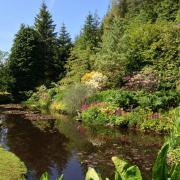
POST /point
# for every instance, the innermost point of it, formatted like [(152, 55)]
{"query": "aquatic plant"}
[(161, 171), (124, 171), (45, 176)]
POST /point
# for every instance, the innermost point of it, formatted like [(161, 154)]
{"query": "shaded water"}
[(63, 146)]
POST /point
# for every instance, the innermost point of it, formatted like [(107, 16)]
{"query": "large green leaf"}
[(60, 178), (160, 169), (45, 176), (92, 175), (117, 176), (119, 164), (125, 171), (132, 173)]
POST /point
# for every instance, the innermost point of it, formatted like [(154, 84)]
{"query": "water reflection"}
[(65, 146), (96, 145), (42, 148)]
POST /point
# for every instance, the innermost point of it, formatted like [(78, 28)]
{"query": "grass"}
[(11, 167)]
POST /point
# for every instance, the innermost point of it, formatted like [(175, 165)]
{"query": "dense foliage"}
[(24, 60), (122, 71), (38, 56), (134, 46)]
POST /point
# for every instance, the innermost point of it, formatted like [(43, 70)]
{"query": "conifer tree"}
[(91, 32), (85, 46), (24, 61), (45, 27), (64, 46)]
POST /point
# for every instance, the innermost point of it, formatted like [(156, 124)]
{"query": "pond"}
[(63, 146)]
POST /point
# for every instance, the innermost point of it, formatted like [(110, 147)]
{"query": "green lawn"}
[(11, 167)]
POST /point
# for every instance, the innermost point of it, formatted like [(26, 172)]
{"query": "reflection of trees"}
[(75, 133), (38, 148), (138, 148), (96, 145), (42, 144)]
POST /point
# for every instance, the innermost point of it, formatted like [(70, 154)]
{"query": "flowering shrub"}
[(95, 80), (100, 105), (147, 79), (57, 106)]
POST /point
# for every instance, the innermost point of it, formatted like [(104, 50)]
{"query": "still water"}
[(63, 146)]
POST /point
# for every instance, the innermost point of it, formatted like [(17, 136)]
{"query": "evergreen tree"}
[(91, 32), (25, 62), (45, 27), (77, 64), (109, 59), (167, 10), (64, 46), (85, 47)]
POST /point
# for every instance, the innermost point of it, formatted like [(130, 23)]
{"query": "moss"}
[(11, 167)]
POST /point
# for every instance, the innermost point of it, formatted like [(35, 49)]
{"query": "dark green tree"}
[(91, 32), (46, 29), (5, 78), (25, 61), (167, 10), (64, 46)]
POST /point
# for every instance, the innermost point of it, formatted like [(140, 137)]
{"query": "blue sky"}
[(71, 12)]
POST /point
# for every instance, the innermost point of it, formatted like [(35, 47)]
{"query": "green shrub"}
[(95, 116), (121, 121), (124, 99), (159, 100), (128, 100), (137, 117)]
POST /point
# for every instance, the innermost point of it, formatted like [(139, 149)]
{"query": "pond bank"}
[(11, 167), (140, 110)]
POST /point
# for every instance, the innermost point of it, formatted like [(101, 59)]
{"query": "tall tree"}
[(91, 32), (85, 46), (167, 9), (45, 27), (64, 46), (25, 61)]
